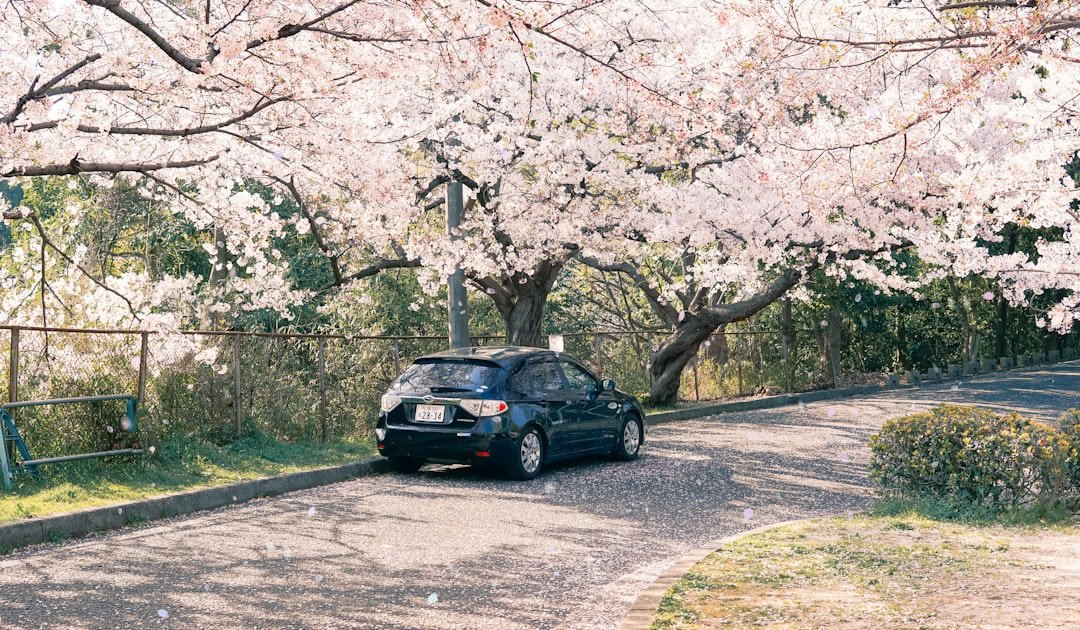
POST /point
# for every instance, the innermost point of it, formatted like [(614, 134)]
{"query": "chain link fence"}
[(216, 385)]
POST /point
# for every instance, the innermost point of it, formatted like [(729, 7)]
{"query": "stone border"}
[(33, 531), (643, 611)]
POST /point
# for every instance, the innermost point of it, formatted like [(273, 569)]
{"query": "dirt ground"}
[(885, 572)]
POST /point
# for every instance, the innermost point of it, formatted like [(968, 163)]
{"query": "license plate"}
[(429, 413)]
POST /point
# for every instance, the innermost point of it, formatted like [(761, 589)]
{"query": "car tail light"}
[(484, 408), (388, 402)]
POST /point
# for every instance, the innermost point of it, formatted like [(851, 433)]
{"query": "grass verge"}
[(889, 568), (177, 467)]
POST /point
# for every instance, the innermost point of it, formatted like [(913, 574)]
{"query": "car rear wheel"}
[(629, 442), (529, 456), (405, 464)]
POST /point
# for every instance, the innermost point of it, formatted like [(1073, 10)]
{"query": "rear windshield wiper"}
[(443, 390)]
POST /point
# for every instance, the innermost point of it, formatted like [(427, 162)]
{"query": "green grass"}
[(178, 466), (1060, 515)]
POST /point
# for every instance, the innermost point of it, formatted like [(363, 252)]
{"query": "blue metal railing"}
[(28, 465)]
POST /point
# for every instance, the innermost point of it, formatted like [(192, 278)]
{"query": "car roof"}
[(505, 356)]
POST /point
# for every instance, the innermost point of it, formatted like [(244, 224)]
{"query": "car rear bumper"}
[(448, 446)]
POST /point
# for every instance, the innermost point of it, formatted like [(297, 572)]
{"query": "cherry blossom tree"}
[(768, 137)]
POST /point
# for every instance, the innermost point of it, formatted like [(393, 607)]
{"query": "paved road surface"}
[(455, 548)]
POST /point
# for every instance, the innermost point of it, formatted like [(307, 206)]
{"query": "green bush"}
[(1069, 425), (973, 456)]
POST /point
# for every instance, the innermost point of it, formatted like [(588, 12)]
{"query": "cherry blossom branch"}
[(76, 166), (316, 232), (35, 92), (165, 132), (14, 214), (538, 28), (190, 64)]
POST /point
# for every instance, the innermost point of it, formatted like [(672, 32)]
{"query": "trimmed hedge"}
[(978, 457)]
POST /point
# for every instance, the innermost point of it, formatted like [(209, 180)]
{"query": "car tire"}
[(628, 440), (528, 456), (405, 464)]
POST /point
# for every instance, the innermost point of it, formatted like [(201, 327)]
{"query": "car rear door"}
[(540, 383), (597, 413)]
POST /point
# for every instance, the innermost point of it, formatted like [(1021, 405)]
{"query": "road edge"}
[(643, 611), (17, 534)]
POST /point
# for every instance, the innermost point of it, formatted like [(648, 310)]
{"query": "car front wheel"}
[(529, 456), (629, 443)]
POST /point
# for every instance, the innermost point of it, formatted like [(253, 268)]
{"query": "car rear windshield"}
[(442, 375)]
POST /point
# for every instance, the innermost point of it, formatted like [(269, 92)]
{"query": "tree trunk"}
[(788, 339), (1001, 323), (524, 319), (673, 355), (834, 345), (681, 346), (963, 309)]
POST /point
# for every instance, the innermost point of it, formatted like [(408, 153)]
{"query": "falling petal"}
[(311, 511), (109, 429), (152, 449), (682, 315), (747, 514), (988, 296), (831, 411), (433, 598), (858, 297), (164, 614), (844, 457), (824, 323), (119, 510), (955, 388), (935, 305)]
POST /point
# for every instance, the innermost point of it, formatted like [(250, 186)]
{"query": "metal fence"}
[(212, 385)]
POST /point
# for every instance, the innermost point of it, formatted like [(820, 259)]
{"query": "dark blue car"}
[(519, 408)]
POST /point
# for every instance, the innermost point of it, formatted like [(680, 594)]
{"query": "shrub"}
[(972, 456), (1069, 425)]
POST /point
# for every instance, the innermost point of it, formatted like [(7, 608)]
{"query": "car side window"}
[(577, 377), (537, 378)]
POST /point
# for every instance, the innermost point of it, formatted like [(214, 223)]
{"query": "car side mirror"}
[(607, 385)]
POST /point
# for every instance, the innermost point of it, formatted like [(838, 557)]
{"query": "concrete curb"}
[(641, 614), (82, 522), (783, 400), (765, 402)]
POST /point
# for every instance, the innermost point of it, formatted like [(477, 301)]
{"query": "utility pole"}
[(457, 304)]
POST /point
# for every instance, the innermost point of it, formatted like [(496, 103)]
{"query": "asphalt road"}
[(456, 548)]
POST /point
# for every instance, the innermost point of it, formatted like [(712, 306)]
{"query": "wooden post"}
[(322, 388), (397, 357), (13, 369), (697, 391), (236, 383), (13, 394), (599, 356), (140, 387)]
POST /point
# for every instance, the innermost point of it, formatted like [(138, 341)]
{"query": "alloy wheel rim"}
[(631, 438), (530, 452)]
